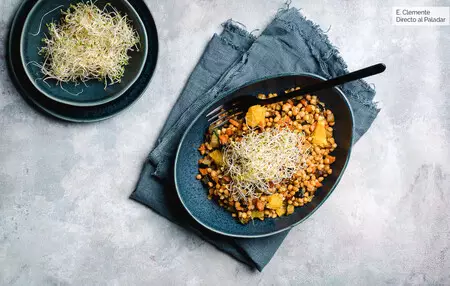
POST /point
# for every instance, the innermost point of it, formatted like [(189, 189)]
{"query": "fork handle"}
[(359, 74)]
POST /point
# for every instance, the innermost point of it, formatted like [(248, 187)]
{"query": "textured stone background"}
[(65, 216)]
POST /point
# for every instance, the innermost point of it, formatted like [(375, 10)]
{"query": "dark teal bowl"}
[(95, 92), (193, 194)]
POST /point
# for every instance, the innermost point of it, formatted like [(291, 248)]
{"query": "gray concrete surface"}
[(65, 216)]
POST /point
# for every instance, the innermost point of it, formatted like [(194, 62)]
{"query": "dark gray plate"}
[(94, 92), (193, 194), (79, 113)]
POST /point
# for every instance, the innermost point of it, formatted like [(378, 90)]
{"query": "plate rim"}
[(74, 103), (60, 115), (347, 159)]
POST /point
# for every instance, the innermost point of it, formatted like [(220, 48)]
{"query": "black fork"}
[(239, 105)]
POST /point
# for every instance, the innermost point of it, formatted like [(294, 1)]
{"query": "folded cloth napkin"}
[(289, 44)]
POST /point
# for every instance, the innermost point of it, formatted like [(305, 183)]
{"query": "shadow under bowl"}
[(193, 194)]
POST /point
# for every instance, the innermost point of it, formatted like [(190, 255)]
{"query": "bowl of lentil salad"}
[(204, 184)]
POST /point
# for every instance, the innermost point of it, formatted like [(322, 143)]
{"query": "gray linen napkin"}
[(289, 44)]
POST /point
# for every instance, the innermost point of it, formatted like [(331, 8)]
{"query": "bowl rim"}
[(55, 114), (201, 113), (97, 102)]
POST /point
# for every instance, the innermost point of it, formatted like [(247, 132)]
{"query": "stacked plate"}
[(87, 102)]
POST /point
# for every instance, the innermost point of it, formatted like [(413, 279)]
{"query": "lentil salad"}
[(305, 117)]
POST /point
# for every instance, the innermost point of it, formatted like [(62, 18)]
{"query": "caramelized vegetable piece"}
[(274, 202), (280, 211), (260, 205), (217, 157), (320, 134), (256, 115), (331, 159), (290, 209), (205, 162), (244, 220), (330, 117), (214, 141), (203, 171), (202, 148), (223, 139), (258, 214)]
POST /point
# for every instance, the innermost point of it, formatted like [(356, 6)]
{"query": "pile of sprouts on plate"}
[(88, 43)]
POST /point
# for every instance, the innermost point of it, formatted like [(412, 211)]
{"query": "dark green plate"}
[(79, 113), (193, 194)]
